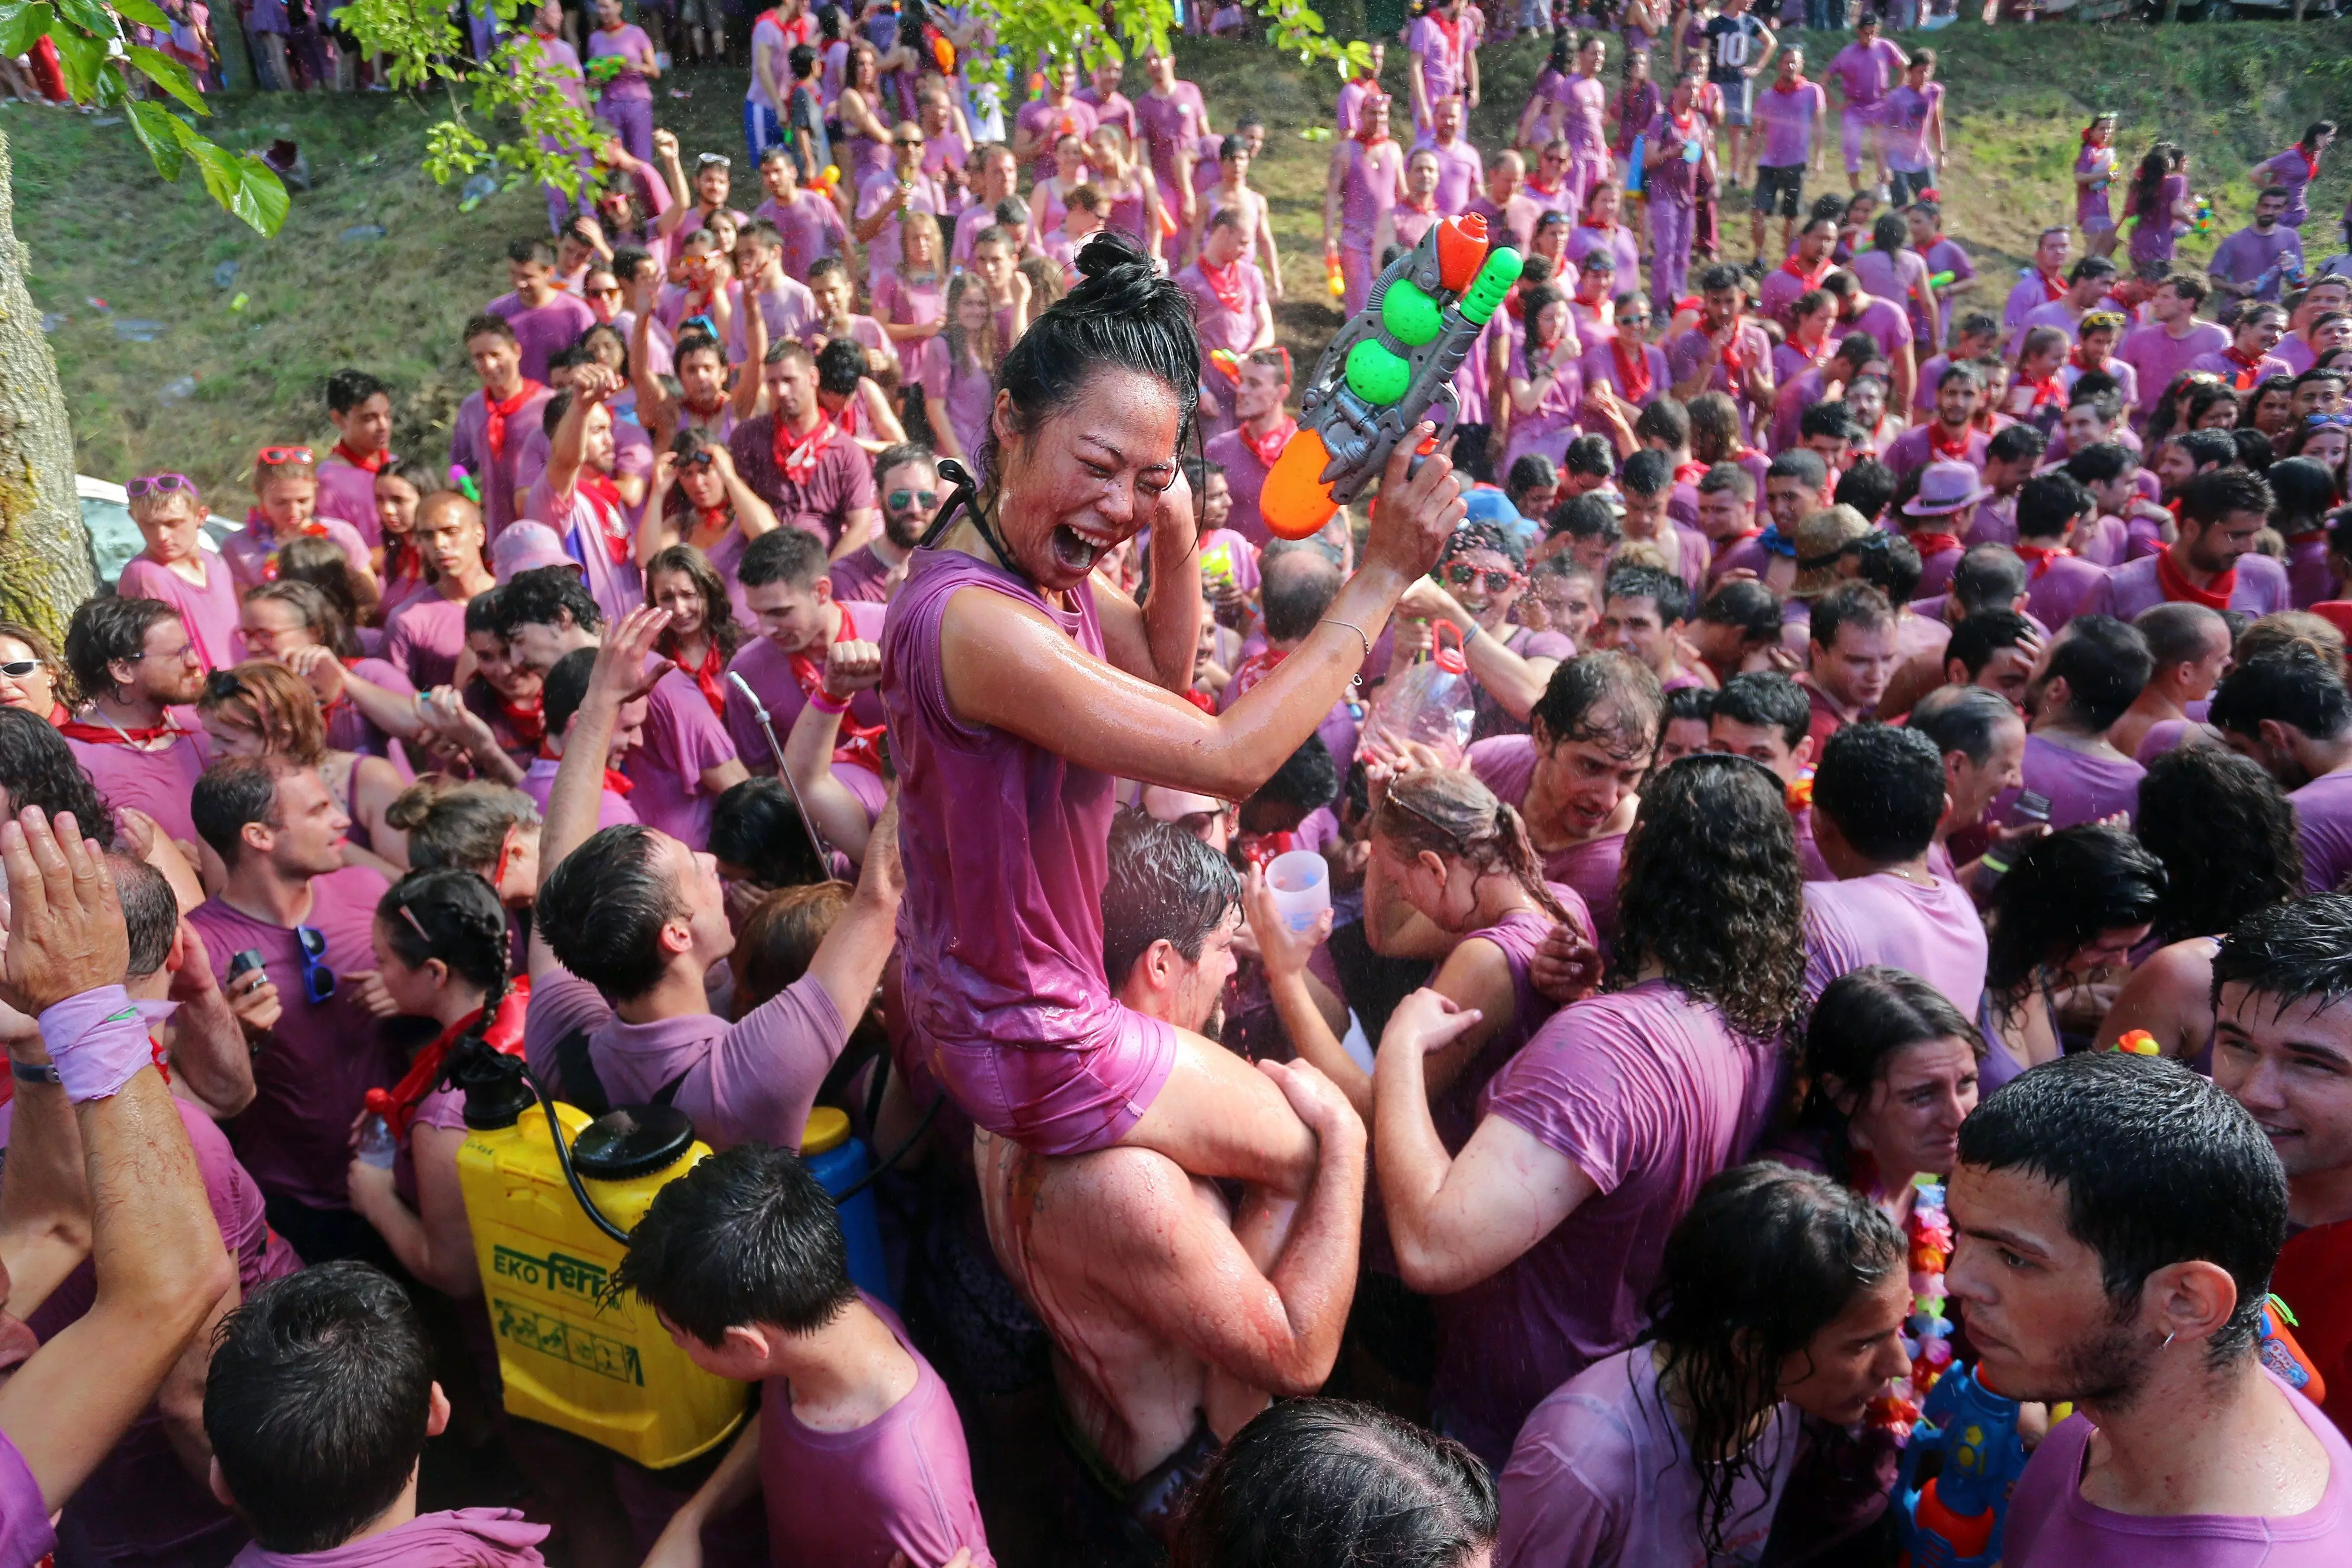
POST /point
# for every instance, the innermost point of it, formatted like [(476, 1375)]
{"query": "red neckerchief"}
[(2052, 289), (1633, 376), (527, 720), (860, 743), (1937, 446), (2310, 163), (2252, 371), (1795, 268), (1366, 136), (1259, 849), (2307, 537), (604, 500), (797, 457), (1933, 544), (1594, 224), (2179, 589), (496, 413), (398, 1105), (1539, 187), (1451, 27), (615, 783), (709, 519), (1254, 668), (705, 674), (2075, 358), (1268, 447), (2039, 557), (373, 463), (402, 559), (1690, 473), (109, 735), (1227, 284), (1791, 84), (2045, 391)]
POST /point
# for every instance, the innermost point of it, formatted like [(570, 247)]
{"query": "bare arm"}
[(1456, 1221), (433, 1241), (848, 962), (1155, 641), (579, 788), (850, 667), (735, 1483)]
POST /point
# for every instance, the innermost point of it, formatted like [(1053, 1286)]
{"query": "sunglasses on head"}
[(160, 484), (901, 500), (2322, 421), (318, 980), (707, 160), (700, 457), (1461, 574), (276, 456)]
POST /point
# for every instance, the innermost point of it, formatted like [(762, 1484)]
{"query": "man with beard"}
[(1175, 1319), (2117, 1221), (2252, 264), (2283, 1048), (135, 662), (2214, 562), (2288, 711), (906, 485)]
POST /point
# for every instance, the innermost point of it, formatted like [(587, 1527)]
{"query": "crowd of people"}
[(1867, 922)]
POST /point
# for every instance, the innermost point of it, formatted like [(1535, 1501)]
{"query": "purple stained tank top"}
[(1004, 844), (1367, 191)]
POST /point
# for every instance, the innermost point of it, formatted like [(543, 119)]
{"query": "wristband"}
[(98, 1042), (34, 1071), (822, 701)]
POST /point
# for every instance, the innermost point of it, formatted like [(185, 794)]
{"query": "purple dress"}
[(1004, 845)]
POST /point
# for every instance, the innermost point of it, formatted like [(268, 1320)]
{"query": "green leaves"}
[(159, 131), (239, 182), (22, 25), (168, 74)]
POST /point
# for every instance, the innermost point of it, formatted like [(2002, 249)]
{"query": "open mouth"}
[(1075, 551)]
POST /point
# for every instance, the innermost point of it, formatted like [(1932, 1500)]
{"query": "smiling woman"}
[(1018, 688)]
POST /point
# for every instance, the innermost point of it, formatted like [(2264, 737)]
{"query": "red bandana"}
[(1690, 473), (1268, 447), (1228, 285), (2310, 163), (1790, 85), (705, 674), (1795, 268), (2052, 289), (604, 500), (373, 463), (2076, 358), (1957, 450), (796, 457), (497, 411), (712, 522), (2039, 557), (2179, 589), (2047, 391), (1933, 544), (619, 783), (860, 743), (108, 734), (398, 1105), (2251, 372), (526, 719), (1633, 376)]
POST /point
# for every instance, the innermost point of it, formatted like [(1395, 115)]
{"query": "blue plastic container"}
[(840, 1162)]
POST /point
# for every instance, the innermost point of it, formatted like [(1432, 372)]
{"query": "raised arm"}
[(839, 815), (848, 962), (568, 449), (619, 677)]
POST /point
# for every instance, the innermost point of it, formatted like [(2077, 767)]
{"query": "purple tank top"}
[(1368, 189), (1004, 844)]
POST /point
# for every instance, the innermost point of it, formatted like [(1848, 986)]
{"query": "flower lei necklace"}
[(1927, 1332)]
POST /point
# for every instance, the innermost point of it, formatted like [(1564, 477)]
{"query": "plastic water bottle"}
[(377, 1146), (1433, 704)]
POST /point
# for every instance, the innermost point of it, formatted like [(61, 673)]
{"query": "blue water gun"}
[(1954, 1518)]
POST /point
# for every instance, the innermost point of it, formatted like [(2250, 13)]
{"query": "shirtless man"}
[(1175, 1320)]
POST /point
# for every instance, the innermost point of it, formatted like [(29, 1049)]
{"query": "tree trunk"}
[(45, 561)]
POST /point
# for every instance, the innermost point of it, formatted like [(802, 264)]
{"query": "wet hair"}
[(1307, 779), (602, 908), (2063, 890), (1800, 464), (331, 608), (1863, 1017), (1322, 1483), (1666, 419), (565, 688), (1887, 562), (2290, 952), (1529, 471), (2209, 499), (1765, 1259), (1832, 418), (274, 704), (793, 557), (2293, 686), (317, 1397), (230, 796), (543, 596), (1297, 583), (745, 1236), (1869, 487), (719, 623), (2158, 1167), (2177, 633), (1467, 536), (1585, 517), (1450, 813), (464, 825), (1752, 607), (1848, 604), (1990, 577), (150, 913), (2301, 491), (840, 366), (781, 938), (1883, 787), (37, 769), (107, 629), (2105, 664), (1712, 894), (2226, 834), (456, 916), (1161, 884), (487, 326), (1665, 591), (1963, 719), (1714, 427), (755, 825), (1692, 704), (1765, 699), (1588, 455), (1979, 636), (2048, 503), (1608, 698), (1122, 315)]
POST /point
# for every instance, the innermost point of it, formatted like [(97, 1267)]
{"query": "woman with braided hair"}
[(1453, 876), (441, 952)]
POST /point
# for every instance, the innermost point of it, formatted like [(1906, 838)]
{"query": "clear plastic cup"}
[(1300, 884)]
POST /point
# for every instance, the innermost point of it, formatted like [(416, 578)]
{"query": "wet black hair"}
[(456, 916), (37, 769), (2063, 890), (1767, 699), (1161, 883), (1863, 1017), (746, 1237), (1883, 787), (2226, 834)]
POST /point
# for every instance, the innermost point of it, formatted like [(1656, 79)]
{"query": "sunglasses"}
[(608, 288), (917, 142), (2322, 421), (1463, 576), (900, 500), (19, 669), (160, 484), (275, 456), (702, 457), (318, 980), (709, 159)]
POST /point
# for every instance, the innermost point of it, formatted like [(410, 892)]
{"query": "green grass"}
[(99, 222)]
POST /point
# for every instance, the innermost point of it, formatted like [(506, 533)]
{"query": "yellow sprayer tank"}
[(603, 1369)]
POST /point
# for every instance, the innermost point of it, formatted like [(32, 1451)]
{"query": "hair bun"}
[(1117, 278)]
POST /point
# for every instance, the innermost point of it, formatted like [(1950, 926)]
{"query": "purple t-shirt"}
[(2260, 589), (2050, 1526), (1601, 1473), (1650, 1094), (469, 448), (1932, 932), (2159, 356), (613, 811), (2250, 253), (1507, 765), (318, 1062), (768, 670), (901, 1483), (423, 639), (2290, 173), (348, 493), (248, 550), (1908, 116), (967, 387), (210, 612), (581, 521), (1049, 122), (1787, 118), (543, 330), (842, 481), (752, 1080), (1459, 171), (682, 737), (25, 1534), (1866, 72), (2323, 815), (458, 1538), (812, 228), (2082, 788), (628, 43), (2158, 231), (160, 783)]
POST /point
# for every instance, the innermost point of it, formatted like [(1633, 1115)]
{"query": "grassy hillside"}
[(216, 381)]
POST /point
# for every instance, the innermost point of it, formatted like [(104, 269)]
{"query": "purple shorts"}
[(1069, 1100)]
